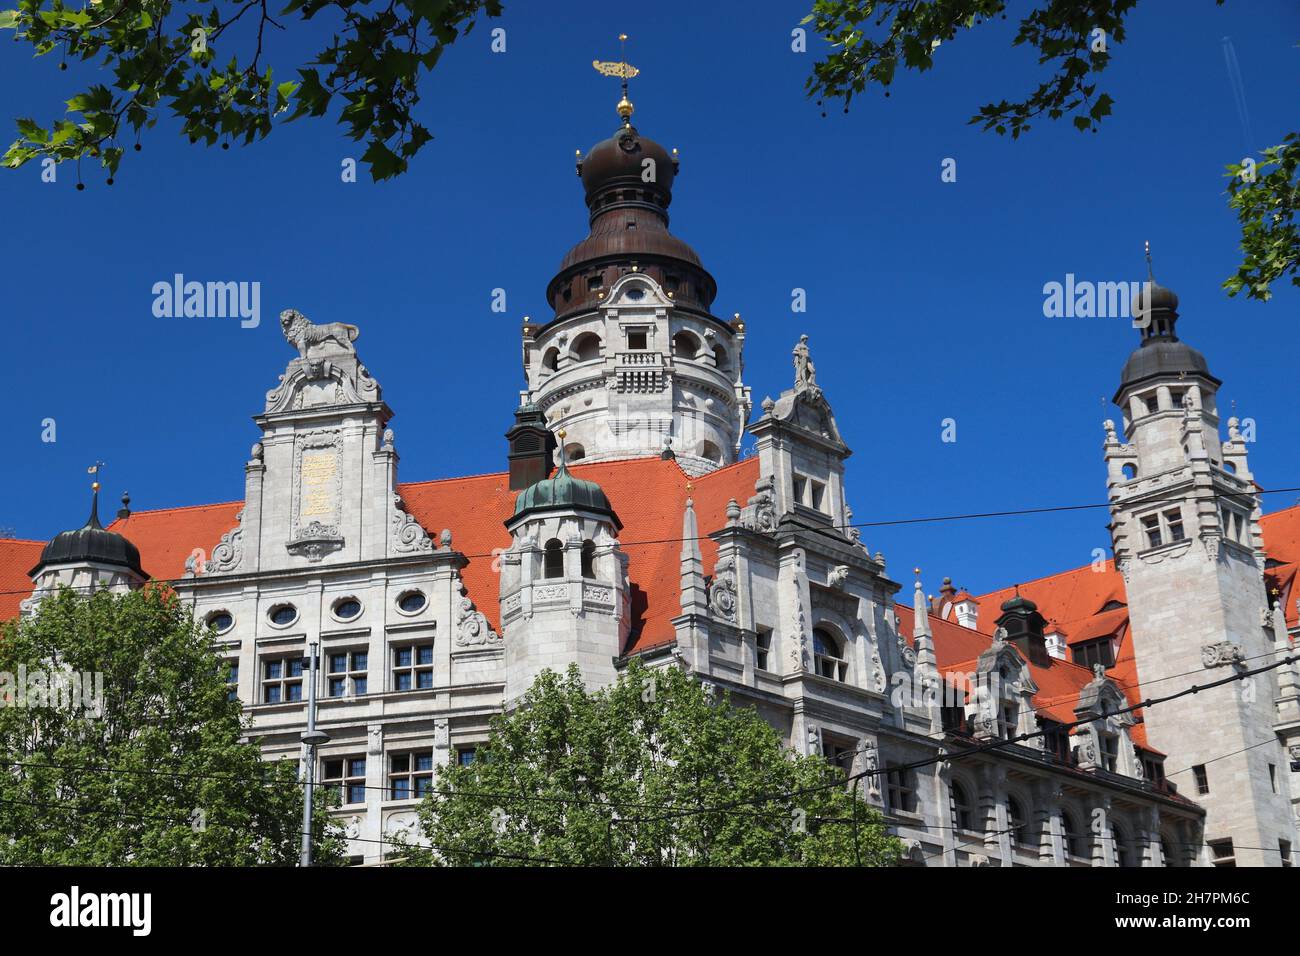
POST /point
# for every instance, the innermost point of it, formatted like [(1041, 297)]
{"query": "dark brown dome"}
[(628, 182), (621, 161)]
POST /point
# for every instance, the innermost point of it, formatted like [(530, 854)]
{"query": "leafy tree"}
[(167, 52), (871, 39), (151, 772), (646, 772)]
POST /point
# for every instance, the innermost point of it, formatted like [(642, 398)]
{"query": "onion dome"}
[(628, 180), (563, 492), (90, 544), (1161, 354)]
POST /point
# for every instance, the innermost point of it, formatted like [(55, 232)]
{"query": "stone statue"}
[(302, 334), (805, 373)]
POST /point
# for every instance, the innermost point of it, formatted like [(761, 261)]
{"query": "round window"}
[(412, 602), (347, 609), (282, 615), (221, 621)]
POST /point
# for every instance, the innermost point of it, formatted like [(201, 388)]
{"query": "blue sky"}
[(924, 298)]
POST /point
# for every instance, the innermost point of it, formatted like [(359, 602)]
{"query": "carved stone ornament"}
[(306, 336), (906, 652), (722, 590), (472, 628), (1221, 654), (799, 637), (838, 577), (408, 534), (228, 555), (316, 541)]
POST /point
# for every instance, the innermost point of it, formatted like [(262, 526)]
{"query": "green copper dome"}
[(563, 492)]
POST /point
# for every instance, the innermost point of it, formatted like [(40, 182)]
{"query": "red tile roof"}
[(649, 495), (16, 559)]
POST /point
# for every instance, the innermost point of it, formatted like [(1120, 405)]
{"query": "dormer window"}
[(1090, 653)]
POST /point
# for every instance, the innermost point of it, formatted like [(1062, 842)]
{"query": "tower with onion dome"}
[(634, 361), (86, 559), (1186, 535)]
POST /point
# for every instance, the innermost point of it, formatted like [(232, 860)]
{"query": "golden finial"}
[(625, 71), (917, 572), (690, 486), (562, 433)]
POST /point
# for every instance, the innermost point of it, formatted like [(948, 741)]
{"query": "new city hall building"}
[(644, 534)]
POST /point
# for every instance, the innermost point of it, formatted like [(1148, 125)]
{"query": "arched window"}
[(963, 811), (1070, 835), (586, 347), (828, 656), (1130, 471), (553, 565), (1123, 849), (574, 452), (550, 359), (684, 345), (589, 559), (1017, 822), (720, 358), (711, 452)]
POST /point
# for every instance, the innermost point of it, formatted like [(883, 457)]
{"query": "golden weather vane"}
[(625, 71)]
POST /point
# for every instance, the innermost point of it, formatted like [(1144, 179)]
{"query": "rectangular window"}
[(346, 670), (900, 786), (465, 755), (413, 667), (800, 488), (818, 494), (1272, 776), (1202, 779), (232, 680), (1008, 718), (636, 340), (1153, 768), (1176, 396), (1222, 853), (1056, 740), (1174, 522), (1109, 751), (1151, 526), (282, 679), (346, 776), (410, 776), (838, 751), (1284, 847), (762, 647), (595, 282)]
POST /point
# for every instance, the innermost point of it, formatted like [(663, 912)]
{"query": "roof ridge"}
[(23, 541), (154, 511)]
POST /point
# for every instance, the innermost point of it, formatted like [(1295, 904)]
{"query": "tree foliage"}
[(649, 771), (870, 39), (207, 63), (153, 772)]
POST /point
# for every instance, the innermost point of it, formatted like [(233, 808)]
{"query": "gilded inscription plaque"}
[(318, 472)]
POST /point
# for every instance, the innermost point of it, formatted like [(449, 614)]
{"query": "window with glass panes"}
[(1089, 653), (232, 679), (410, 775), (900, 787), (282, 679), (347, 776), (344, 671), (413, 667)]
